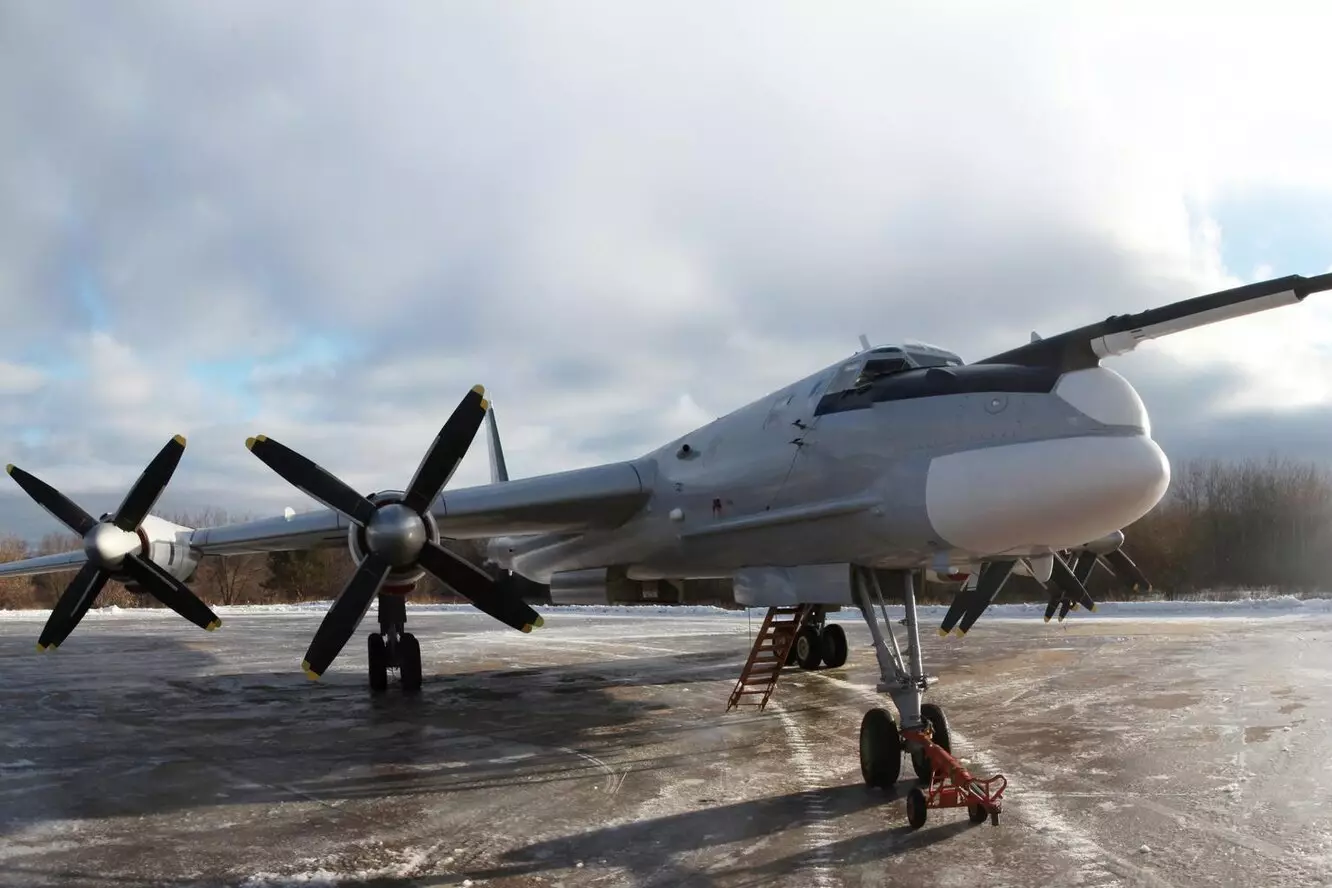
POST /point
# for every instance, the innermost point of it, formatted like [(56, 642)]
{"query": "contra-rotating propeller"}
[(1068, 583), (113, 547), (396, 533)]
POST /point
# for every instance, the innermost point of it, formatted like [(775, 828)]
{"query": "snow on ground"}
[(1248, 608)]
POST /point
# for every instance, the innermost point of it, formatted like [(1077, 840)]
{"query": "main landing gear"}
[(923, 733), (392, 647), (819, 643)]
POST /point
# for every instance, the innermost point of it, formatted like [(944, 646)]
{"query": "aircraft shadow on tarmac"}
[(650, 849), (106, 736)]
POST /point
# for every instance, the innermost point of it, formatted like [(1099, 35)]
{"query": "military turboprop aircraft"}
[(898, 459)]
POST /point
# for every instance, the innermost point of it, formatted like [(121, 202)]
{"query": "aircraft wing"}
[(565, 502), (1119, 334), (43, 564)]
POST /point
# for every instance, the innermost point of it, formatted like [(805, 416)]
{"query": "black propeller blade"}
[(396, 533), (112, 547), (987, 590)]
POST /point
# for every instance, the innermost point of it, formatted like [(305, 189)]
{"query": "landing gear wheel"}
[(377, 659), (832, 645), (808, 649), (409, 658), (880, 749), (916, 810), (934, 716)]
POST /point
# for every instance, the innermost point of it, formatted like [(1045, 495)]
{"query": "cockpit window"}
[(930, 359), (879, 367)]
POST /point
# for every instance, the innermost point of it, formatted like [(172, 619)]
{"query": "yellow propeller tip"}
[(943, 633), (249, 443), (179, 439), (41, 647), (540, 621), (1047, 619), (9, 468), (1093, 608), (485, 405), (961, 633), (479, 389), (527, 627), (212, 627)]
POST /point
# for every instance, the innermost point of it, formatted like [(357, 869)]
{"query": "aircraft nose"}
[(1059, 493)]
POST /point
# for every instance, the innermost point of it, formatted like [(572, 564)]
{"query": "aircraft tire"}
[(808, 648), (833, 645), (409, 653), (880, 749), (377, 661), (939, 722)]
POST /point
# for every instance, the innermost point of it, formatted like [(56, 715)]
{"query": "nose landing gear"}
[(924, 730)]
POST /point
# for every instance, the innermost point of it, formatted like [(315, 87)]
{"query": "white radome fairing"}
[(1105, 396), (1056, 494)]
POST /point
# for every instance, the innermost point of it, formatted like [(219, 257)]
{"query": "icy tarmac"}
[(1149, 745)]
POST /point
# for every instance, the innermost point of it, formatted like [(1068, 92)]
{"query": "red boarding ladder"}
[(768, 656)]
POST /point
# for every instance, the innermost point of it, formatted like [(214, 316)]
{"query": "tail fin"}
[(498, 470)]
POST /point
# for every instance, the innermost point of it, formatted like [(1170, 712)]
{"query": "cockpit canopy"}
[(886, 360)]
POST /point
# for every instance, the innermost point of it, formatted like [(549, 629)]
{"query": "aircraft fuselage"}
[(928, 467)]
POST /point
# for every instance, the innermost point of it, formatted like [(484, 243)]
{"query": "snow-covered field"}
[(1274, 606)]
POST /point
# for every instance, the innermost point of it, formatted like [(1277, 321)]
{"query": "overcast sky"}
[(325, 222)]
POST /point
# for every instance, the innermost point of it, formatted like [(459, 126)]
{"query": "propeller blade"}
[(986, 592), (149, 486), (53, 501), (478, 587), (345, 615), (1056, 598), (1124, 568), (1085, 564), (1067, 581), (73, 604), (170, 591), (1064, 607), (961, 599), (446, 451), (312, 478)]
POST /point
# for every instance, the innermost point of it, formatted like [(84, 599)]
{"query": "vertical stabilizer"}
[(498, 470), (864, 342)]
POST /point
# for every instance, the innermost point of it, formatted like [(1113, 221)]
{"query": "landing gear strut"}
[(923, 732), (392, 647), (819, 643)]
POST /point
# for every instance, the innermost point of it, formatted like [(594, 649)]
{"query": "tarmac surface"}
[(597, 751)]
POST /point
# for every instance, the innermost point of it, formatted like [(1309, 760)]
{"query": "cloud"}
[(223, 220)]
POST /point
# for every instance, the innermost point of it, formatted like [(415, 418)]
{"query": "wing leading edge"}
[(1117, 335)]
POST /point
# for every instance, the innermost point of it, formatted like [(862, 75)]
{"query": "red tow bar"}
[(953, 786)]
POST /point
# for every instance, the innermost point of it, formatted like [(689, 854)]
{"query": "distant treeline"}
[(1222, 526)]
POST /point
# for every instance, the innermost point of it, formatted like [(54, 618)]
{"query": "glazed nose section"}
[(1059, 493)]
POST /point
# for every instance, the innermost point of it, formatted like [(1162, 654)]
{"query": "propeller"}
[(971, 601), (1072, 591), (113, 547), (396, 533)]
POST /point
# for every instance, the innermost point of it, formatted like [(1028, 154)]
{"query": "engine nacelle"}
[(356, 540), (958, 576), (164, 544)]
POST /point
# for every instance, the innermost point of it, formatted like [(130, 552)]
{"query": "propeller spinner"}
[(396, 533), (113, 547)]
